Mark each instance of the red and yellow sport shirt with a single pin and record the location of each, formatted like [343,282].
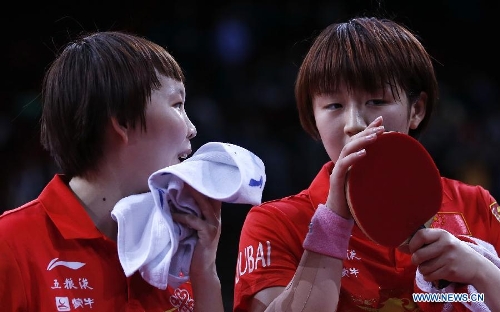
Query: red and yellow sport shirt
[52,258]
[375,278]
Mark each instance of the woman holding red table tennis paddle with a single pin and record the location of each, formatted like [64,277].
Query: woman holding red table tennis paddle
[366,90]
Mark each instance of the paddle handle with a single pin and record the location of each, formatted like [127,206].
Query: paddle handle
[442,283]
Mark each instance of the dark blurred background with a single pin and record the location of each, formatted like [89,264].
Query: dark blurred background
[241,59]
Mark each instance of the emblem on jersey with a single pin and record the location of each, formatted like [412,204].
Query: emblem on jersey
[69,264]
[495,210]
[453,222]
[182,300]
[62,304]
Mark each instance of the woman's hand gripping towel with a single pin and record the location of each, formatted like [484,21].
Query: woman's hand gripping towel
[160,248]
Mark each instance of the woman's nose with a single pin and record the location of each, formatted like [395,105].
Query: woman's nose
[355,122]
[191,129]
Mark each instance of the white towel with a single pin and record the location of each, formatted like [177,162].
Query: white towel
[161,249]
[481,247]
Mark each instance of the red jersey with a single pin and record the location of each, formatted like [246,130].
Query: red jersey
[374,278]
[53,258]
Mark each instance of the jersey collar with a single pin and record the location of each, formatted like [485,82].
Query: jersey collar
[318,190]
[67,213]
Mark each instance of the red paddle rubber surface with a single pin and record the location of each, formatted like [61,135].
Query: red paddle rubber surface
[394,189]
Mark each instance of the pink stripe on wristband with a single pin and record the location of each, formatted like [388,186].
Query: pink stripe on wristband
[328,233]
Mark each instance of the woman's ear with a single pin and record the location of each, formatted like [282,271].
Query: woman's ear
[417,110]
[121,130]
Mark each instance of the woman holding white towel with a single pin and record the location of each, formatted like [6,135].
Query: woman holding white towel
[113,113]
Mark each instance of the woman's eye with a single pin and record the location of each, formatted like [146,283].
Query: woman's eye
[178,105]
[333,106]
[375,102]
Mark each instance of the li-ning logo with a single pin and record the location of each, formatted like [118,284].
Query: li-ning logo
[254,182]
[69,264]
[256,160]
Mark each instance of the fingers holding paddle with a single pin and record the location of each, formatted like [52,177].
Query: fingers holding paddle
[440,255]
[350,154]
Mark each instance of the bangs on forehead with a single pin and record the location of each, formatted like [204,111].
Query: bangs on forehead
[356,57]
[155,59]
[165,64]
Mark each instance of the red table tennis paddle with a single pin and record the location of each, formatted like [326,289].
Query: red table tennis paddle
[394,190]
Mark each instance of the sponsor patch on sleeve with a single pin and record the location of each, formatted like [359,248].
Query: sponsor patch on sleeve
[495,210]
